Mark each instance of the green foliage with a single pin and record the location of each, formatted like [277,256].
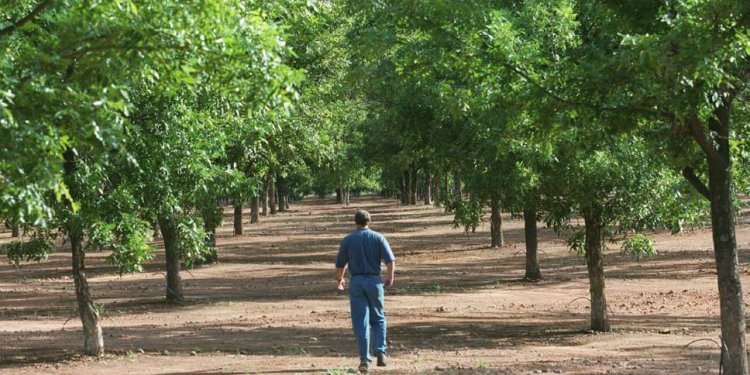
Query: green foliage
[36,249]
[576,241]
[191,240]
[638,247]
[129,240]
[467,214]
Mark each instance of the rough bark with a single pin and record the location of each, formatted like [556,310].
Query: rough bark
[172,254]
[725,246]
[93,342]
[15,230]
[427,189]
[339,196]
[496,224]
[255,210]
[347,195]
[530,232]
[238,228]
[595,265]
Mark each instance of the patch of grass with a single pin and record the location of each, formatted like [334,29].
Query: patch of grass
[436,288]
[299,350]
[132,356]
[338,371]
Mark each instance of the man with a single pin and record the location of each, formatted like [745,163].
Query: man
[363,250]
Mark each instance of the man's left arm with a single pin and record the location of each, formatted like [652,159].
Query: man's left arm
[390,274]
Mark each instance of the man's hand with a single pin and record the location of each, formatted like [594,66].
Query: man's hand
[340,284]
[388,281]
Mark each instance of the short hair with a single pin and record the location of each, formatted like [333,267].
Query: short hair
[361,217]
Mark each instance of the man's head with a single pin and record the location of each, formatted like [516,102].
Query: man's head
[362,218]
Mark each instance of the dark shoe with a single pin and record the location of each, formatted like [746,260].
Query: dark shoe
[381,360]
[364,366]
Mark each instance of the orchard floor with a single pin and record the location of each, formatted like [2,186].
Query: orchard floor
[270,306]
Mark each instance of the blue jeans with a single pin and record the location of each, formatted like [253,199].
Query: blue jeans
[366,300]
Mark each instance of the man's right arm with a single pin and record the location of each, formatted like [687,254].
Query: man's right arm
[389,259]
[341,260]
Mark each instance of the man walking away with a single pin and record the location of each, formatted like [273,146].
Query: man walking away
[364,250]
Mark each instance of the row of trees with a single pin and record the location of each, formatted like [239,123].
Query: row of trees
[625,114]
[121,120]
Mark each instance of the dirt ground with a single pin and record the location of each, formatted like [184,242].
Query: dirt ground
[270,306]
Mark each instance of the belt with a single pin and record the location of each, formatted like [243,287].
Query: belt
[365,274]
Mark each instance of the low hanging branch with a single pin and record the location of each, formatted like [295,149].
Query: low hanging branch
[690,176]
[12,27]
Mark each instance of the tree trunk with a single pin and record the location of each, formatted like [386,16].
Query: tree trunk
[209,226]
[255,210]
[238,228]
[93,342]
[496,224]
[172,253]
[210,240]
[15,230]
[339,196]
[725,245]
[264,200]
[347,196]
[427,190]
[457,193]
[532,263]
[272,194]
[595,264]
[413,187]
[405,188]
[281,184]
[437,191]
[157,233]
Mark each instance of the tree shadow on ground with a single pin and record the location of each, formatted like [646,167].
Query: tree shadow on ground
[450,332]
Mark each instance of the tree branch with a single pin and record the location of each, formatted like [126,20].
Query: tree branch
[697,133]
[86,50]
[690,176]
[39,8]
[562,99]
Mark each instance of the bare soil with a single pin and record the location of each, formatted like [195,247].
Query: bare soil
[270,305]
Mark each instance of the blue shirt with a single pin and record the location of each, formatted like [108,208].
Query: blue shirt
[363,250]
